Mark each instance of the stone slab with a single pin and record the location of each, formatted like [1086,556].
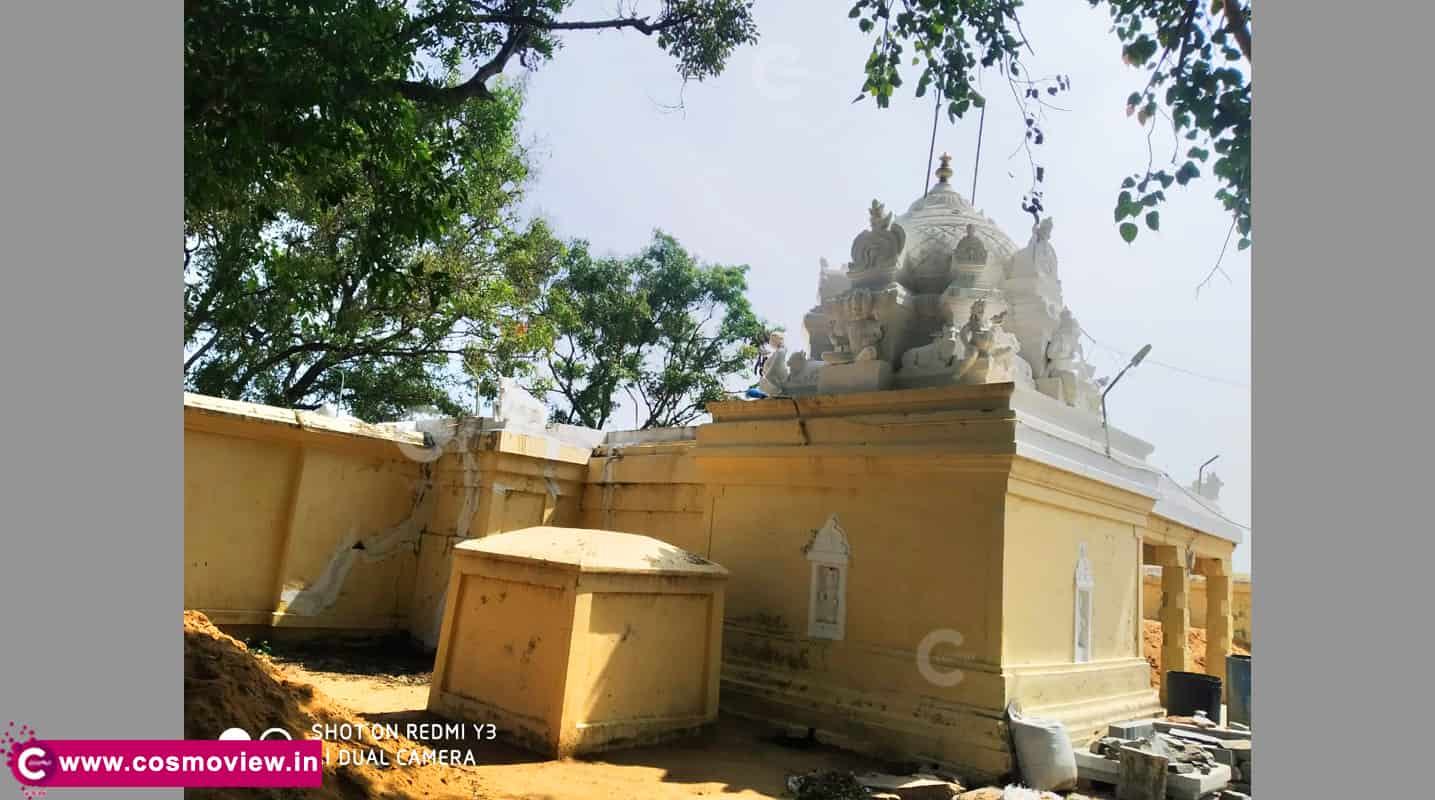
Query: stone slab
[858,376]
[1132,729]
[1190,786]
[1091,767]
[1194,785]
[1224,734]
[1143,775]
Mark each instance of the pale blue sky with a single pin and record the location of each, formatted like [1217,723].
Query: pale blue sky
[771,165]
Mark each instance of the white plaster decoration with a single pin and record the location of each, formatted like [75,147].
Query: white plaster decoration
[938,356]
[911,282]
[875,251]
[1085,583]
[774,367]
[517,408]
[1066,368]
[829,554]
[784,374]
[1038,257]
[1006,350]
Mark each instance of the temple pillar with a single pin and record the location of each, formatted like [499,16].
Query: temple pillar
[1175,612]
[1218,618]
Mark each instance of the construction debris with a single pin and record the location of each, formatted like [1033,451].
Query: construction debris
[1196,764]
[833,785]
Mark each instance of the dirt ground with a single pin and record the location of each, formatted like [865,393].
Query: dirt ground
[1195,643]
[737,760]
[295,686]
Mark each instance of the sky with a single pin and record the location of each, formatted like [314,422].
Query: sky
[771,165]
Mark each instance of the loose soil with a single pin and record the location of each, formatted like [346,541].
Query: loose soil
[1195,643]
[297,686]
[226,686]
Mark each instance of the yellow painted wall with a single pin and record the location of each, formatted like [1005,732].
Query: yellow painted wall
[273,510]
[1240,604]
[236,511]
[949,532]
[277,500]
[1046,522]
[651,490]
[489,482]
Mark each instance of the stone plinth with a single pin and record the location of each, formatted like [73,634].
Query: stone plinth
[572,640]
[902,567]
[858,376]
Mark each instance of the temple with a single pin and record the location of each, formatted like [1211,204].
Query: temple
[925,521]
[936,297]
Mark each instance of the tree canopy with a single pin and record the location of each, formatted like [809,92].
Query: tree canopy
[281,89]
[329,294]
[352,169]
[276,88]
[658,327]
[1195,56]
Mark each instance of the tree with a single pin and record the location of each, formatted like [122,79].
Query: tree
[659,326]
[350,166]
[280,90]
[1191,51]
[330,293]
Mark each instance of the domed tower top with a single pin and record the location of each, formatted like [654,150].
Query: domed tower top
[940,219]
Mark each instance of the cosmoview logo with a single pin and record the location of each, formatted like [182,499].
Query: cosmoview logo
[35,763]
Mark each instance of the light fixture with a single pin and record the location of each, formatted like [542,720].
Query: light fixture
[1136,359]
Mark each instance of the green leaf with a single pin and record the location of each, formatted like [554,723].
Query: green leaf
[1128,232]
[1243,243]
[1153,220]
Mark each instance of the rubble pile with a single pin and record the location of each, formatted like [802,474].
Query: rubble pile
[1203,759]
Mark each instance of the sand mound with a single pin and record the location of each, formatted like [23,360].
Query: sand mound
[1195,642]
[226,686]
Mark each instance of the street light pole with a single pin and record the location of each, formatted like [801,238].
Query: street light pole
[1136,359]
[1201,475]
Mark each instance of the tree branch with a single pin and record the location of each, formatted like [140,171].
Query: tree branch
[1236,25]
[640,24]
[475,86]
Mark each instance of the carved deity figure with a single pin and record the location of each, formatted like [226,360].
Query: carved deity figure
[937,356]
[877,249]
[802,371]
[864,330]
[1006,351]
[774,368]
[1038,257]
[841,352]
[1044,254]
[977,341]
[1066,361]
